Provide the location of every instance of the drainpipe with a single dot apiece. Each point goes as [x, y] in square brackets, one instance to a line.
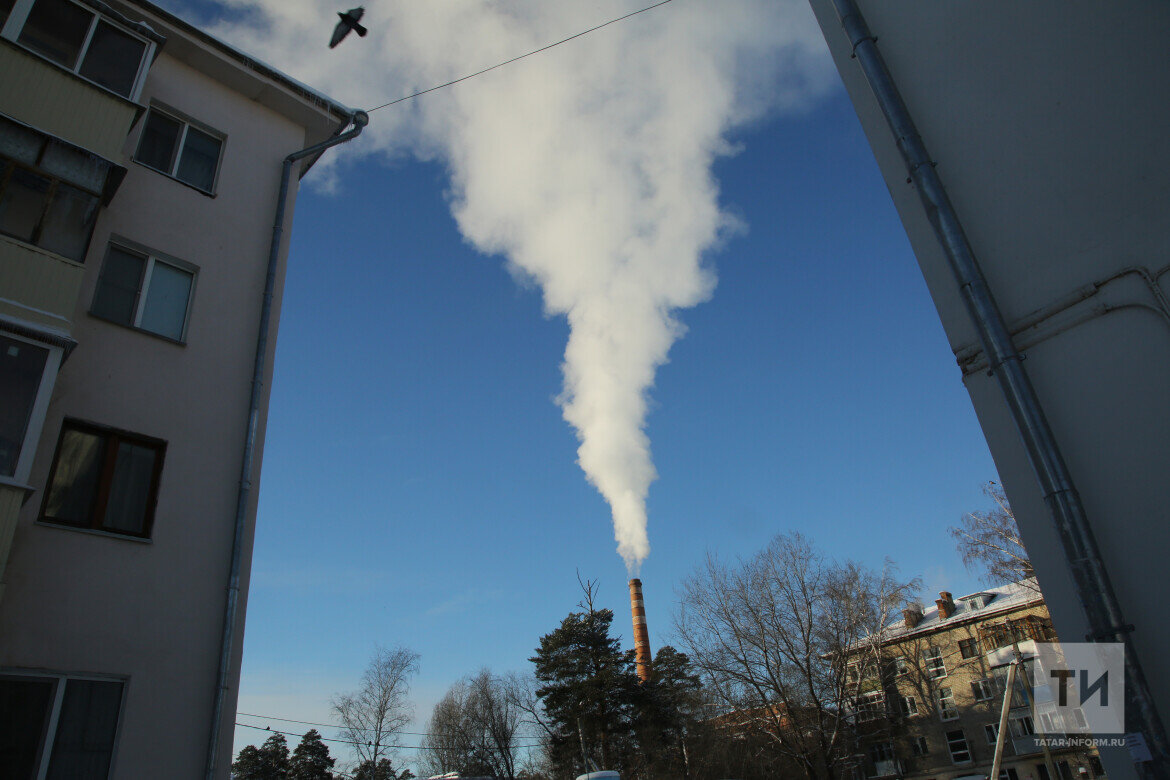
[358, 120]
[1102, 609]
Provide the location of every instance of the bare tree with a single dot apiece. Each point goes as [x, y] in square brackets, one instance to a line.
[372, 716]
[770, 635]
[990, 541]
[473, 729]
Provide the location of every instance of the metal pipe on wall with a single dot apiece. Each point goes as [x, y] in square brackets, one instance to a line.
[358, 120]
[1104, 613]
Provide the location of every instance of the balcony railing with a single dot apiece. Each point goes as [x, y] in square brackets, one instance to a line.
[44, 96]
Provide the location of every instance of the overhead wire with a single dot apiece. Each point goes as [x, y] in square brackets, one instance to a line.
[522, 56]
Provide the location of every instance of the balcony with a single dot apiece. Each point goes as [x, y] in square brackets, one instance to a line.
[1026, 745]
[39, 286]
[40, 94]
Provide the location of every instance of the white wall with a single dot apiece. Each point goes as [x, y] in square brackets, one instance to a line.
[1048, 122]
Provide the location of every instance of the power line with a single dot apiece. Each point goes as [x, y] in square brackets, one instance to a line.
[522, 56]
[311, 723]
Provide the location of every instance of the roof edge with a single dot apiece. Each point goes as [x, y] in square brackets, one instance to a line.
[306, 93]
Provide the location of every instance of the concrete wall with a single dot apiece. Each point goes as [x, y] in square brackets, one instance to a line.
[152, 611]
[1047, 121]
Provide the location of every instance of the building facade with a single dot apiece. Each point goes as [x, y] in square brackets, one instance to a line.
[931, 689]
[1044, 123]
[140, 163]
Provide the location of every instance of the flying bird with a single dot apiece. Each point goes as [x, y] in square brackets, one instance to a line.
[349, 21]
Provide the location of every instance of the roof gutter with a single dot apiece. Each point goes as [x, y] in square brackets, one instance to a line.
[1102, 609]
[358, 120]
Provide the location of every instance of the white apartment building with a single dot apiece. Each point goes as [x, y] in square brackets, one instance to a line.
[140, 167]
[1025, 148]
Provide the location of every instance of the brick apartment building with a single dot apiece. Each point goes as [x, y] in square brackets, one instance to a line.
[931, 690]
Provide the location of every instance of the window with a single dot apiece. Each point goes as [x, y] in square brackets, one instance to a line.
[919, 747]
[104, 479]
[881, 751]
[933, 660]
[27, 371]
[946, 705]
[984, 690]
[50, 192]
[141, 290]
[969, 648]
[871, 706]
[1051, 721]
[957, 744]
[899, 666]
[176, 148]
[58, 727]
[991, 731]
[978, 601]
[84, 42]
[1021, 726]
[907, 706]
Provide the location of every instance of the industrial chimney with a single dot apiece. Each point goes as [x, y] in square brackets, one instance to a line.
[641, 634]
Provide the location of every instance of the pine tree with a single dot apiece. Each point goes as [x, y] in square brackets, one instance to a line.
[268, 762]
[311, 759]
[383, 770]
[588, 688]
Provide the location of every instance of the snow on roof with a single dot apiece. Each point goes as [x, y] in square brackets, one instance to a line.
[1003, 598]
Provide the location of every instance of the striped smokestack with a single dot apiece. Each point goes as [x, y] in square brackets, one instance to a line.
[641, 634]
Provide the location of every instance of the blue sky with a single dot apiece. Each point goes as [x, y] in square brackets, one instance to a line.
[420, 485]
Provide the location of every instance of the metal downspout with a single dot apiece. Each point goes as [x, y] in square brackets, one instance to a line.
[1094, 588]
[359, 120]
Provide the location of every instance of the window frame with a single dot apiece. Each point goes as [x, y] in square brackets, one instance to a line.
[908, 706]
[943, 709]
[1020, 726]
[9, 166]
[933, 662]
[151, 258]
[870, 705]
[952, 743]
[984, 689]
[919, 746]
[97, 511]
[969, 644]
[14, 25]
[40, 406]
[991, 731]
[186, 122]
[60, 683]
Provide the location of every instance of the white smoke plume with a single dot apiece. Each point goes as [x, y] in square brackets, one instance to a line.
[588, 166]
